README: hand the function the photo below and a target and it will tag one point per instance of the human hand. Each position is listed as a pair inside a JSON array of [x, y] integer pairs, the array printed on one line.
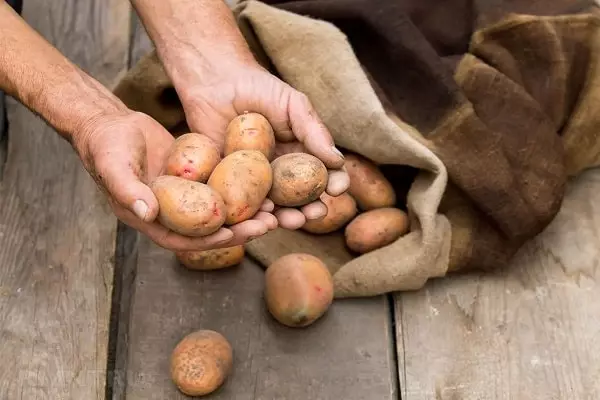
[[124, 153], [211, 103]]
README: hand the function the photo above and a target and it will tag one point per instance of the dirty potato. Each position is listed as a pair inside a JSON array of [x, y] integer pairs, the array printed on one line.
[[298, 289], [250, 131], [192, 156], [298, 179], [243, 179], [375, 228], [340, 210], [187, 207], [201, 362], [204, 260], [368, 185]]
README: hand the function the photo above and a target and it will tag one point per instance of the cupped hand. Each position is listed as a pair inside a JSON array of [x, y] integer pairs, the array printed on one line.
[[124, 153], [211, 104]]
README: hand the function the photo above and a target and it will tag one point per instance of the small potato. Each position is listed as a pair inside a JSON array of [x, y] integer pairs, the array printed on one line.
[[298, 289], [192, 156], [201, 362], [368, 185], [298, 179], [340, 210], [250, 131], [187, 207], [243, 179], [375, 228], [212, 259]]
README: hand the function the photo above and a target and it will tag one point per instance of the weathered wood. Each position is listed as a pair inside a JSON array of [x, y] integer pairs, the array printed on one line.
[[530, 332], [57, 233], [345, 355]]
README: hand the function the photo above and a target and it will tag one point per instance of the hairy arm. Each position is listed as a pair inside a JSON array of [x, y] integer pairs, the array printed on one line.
[[38, 75], [193, 38]]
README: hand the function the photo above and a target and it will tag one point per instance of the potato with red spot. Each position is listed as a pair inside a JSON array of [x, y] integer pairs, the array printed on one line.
[[201, 362], [243, 179], [250, 131], [205, 260], [369, 187], [298, 289], [192, 156], [340, 210], [375, 229], [187, 207], [298, 179]]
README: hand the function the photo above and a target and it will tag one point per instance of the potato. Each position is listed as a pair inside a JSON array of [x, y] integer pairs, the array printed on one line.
[[250, 131], [243, 179], [340, 210], [368, 185], [211, 259], [298, 179], [201, 362], [375, 228], [298, 289], [187, 207], [192, 156]]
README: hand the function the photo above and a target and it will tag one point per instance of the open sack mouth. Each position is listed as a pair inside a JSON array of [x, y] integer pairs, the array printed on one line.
[[493, 108]]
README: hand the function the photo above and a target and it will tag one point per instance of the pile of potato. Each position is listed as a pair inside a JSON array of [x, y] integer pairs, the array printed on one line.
[[200, 192]]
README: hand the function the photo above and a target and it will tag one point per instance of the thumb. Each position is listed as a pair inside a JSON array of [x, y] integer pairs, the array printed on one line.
[[120, 176]]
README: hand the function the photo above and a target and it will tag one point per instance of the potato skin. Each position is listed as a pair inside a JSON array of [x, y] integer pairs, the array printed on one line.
[[187, 207], [298, 289], [298, 179], [369, 187], [192, 156], [340, 210], [211, 259], [243, 179], [375, 228], [250, 131], [201, 362]]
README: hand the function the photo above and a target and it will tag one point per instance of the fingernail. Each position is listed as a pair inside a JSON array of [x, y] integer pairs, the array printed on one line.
[[336, 151], [140, 209]]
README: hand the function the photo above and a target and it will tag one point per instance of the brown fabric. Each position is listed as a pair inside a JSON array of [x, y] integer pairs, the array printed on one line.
[[505, 104], [495, 117]]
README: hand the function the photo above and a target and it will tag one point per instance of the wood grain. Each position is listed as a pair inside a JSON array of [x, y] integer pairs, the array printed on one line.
[[57, 233], [530, 332], [344, 355]]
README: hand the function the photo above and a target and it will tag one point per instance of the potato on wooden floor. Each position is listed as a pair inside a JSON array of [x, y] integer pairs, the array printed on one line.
[[201, 362], [243, 179], [375, 228], [187, 207], [298, 289], [192, 156], [340, 210], [369, 187], [298, 179], [250, 131], [211, 259]]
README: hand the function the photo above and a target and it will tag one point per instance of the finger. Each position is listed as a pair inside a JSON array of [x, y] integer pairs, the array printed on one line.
[[170, 240], [267, 206], [338, 183], [269, 219], [248, 230], [119, 174], [290, 218], [291, 147], [314, 210], [310, 130]]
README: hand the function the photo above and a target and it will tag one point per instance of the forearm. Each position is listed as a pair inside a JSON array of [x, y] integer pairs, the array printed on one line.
[[39, 76], [192, 32]]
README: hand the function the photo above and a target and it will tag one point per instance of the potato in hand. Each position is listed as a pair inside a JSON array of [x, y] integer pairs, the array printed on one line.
[[192, 156], [250, 131]]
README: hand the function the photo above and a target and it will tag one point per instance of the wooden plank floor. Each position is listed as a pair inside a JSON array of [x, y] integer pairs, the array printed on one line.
[[57, 235], [531, 332]]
